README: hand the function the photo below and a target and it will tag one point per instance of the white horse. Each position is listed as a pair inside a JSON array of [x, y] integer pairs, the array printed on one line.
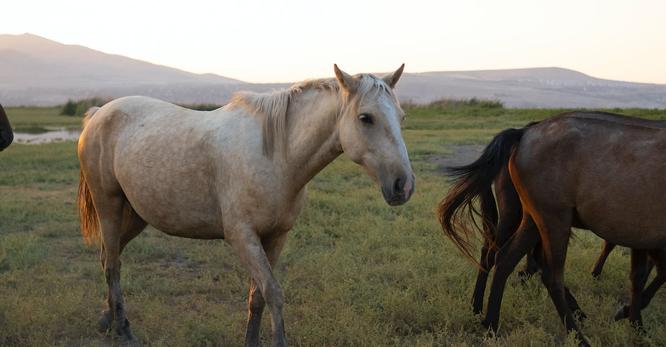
[[237, 173]]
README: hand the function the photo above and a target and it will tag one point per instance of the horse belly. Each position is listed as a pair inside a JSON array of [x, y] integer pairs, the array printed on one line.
[[627, 215], [172, 191]]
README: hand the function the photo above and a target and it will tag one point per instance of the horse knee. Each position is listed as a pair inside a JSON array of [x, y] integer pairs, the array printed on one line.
[[256, 301], [274, 296]]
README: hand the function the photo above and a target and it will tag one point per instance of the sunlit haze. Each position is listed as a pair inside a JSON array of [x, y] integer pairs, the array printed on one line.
[[279, 41]]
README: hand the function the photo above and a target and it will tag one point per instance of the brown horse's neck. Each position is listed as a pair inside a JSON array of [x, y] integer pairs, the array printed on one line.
[[313, 141]]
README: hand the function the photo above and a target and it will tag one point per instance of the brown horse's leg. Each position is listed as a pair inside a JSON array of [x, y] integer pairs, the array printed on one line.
[[638, 278], [132, 225], [658, 258], [599, 265], [555, 230], [507, 258], [510, 216], [248, 247], [110, 212], [487, 259], [545, 273], [256, 303], [531, 267], [481, 279]]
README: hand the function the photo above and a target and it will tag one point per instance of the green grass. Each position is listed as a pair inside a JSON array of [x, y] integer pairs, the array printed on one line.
[[355, 272], [40, 119]]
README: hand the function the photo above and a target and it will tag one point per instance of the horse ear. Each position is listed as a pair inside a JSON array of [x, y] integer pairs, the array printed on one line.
[[347, 82], [393, 78]]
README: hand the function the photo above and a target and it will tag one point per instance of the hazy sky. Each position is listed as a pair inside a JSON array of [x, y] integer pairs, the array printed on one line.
[[281, 40]]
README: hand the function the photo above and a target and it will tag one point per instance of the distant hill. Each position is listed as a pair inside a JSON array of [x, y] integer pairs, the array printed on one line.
[[535, 87], [38, 71]]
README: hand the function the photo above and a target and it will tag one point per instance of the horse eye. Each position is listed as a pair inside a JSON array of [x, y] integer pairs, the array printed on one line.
[[365, 118]]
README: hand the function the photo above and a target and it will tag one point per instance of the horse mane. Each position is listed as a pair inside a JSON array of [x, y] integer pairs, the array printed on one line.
[[274, 106]]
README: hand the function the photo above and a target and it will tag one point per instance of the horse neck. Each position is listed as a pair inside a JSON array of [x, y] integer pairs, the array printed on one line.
[[312, 137]]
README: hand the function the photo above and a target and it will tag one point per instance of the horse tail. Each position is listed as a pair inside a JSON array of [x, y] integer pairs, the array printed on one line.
[[88, 115], [87, 212], [457, 211]]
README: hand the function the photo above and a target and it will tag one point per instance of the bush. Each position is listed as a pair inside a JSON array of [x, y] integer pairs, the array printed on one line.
[[473, 102], [78, 108], [69, 109]]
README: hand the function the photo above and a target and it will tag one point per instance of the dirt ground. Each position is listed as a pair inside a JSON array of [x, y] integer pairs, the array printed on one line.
[[458, 155]]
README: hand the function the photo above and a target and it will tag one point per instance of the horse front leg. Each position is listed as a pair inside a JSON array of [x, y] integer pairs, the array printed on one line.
[[256, 303], [658, 260], [250, 250], [638, 279]]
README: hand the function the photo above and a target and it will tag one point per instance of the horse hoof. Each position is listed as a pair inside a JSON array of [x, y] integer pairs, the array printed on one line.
[[596, 274], [622, 313], [129, 340], [583, 342], [490, 326], [580, 315], [104, 323], [125, 335]]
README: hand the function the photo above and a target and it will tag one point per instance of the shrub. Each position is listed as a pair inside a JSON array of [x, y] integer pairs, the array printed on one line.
[[78, 108]]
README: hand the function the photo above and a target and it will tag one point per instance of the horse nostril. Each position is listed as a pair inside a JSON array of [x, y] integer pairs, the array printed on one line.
[[398, 185]]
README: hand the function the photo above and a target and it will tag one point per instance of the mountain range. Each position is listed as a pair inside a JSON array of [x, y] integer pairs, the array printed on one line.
[[41, 72]]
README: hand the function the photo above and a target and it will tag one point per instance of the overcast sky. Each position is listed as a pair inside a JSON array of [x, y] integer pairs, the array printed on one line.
[[281, 40]]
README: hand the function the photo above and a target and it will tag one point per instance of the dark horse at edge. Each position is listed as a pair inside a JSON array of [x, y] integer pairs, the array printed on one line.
[[558, 167], [6, 134]]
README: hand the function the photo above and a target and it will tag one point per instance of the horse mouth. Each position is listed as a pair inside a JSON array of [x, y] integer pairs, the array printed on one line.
[[397, 201]]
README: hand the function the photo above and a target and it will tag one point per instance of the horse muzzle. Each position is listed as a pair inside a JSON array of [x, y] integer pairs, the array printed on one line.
[[398, 190]]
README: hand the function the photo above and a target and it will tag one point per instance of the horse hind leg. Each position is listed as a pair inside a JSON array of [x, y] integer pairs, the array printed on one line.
[[545, 279], [603, 256], [555, 230], [507, 258], [119, 223]]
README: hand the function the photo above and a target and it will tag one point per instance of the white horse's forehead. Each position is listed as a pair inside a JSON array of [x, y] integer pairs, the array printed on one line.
[[386, 104]]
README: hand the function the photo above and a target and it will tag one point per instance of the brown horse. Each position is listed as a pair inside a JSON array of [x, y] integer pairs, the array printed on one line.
[[6, 134], [501, 214], [576, 169], [238, 173]]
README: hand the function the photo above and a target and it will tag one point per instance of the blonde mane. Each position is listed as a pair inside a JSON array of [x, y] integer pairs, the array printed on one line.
[[274, 106]]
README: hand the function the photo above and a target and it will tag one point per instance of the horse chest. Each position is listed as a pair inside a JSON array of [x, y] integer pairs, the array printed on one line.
[[266, 214]]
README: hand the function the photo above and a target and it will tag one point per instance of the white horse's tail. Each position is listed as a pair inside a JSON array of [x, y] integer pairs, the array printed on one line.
[[91, 112]]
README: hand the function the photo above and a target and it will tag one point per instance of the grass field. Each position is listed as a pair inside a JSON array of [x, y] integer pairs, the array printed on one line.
[[355, 272], [40, 119]]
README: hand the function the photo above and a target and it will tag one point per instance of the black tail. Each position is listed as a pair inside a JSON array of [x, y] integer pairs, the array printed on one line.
[[457, 211]]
